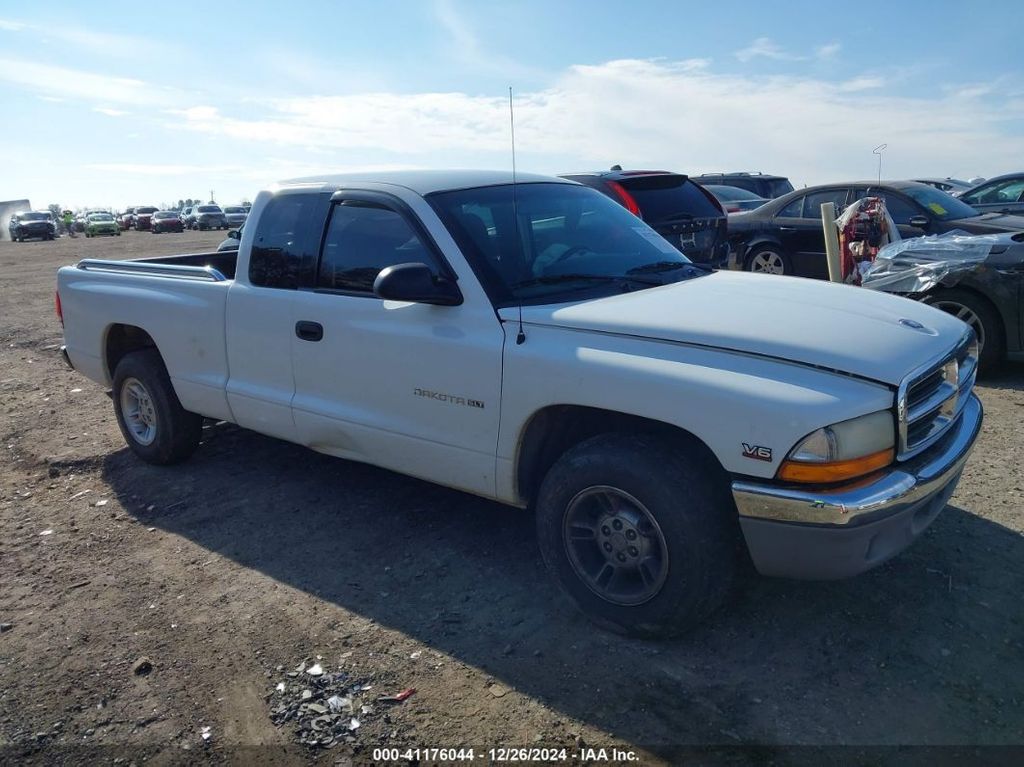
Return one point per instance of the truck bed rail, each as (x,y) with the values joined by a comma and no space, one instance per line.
(204,273)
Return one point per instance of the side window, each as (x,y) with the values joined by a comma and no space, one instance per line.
(815,200)
(793,209)
(362,239)
(900,209)
(276,258)
(1000,191)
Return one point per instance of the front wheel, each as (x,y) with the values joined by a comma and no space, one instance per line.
(982,318)
(768,259)
(640,532)
(153,422)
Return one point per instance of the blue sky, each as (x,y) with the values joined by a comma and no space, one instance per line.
(111,104)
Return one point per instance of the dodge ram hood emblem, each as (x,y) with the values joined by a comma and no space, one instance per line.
(915,325)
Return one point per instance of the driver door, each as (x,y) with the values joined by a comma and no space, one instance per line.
(407,386)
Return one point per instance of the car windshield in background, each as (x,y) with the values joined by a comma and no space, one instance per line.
(208,209)
(34,216)
(731,193)
(144,211)
(101,217)
(234,210)
(939,204)
(663,197)
(779,187)
(165,214)
(569,239)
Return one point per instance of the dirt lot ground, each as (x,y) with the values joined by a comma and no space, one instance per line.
(257,554)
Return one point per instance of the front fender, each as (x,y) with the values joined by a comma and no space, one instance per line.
(750,411)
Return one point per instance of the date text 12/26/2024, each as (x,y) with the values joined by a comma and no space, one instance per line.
(503,754)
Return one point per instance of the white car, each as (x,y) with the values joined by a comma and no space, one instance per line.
(537,344)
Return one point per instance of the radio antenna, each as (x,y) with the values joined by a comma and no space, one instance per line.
(520,336)
(877,150)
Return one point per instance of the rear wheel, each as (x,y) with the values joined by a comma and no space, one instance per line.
(640,532)
(153,422)
(982,318)
(768,259)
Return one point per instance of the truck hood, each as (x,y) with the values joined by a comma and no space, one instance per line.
(839,327)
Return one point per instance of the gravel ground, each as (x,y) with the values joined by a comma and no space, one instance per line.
(256,556)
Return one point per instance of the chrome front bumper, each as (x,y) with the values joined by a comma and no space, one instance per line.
(837,532)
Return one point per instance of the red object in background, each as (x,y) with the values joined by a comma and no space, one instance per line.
(862,233)
(627,199)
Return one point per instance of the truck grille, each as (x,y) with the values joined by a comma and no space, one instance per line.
(931,399)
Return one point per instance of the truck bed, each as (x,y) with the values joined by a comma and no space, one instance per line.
(223,261)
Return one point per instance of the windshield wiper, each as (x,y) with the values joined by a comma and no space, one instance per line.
(557,279)
(666,266)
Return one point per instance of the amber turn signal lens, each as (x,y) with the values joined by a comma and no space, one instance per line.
(837,471)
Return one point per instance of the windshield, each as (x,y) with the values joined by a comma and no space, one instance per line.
(731,193)
(234,210)
(208,209)
(779,187)
(34,216)
(939,204)
(165,214)
(145,211)
(570,239)
(101,217)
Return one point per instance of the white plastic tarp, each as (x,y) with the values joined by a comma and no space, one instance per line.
(921,263)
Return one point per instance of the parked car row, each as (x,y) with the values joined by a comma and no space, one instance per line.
(786,237)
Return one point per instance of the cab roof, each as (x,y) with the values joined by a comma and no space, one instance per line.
(424,182)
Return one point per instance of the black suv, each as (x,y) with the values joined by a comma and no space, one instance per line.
(23,226)
(762,184)
(684,213)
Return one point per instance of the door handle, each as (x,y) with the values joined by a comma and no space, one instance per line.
(787,228)
(309,331)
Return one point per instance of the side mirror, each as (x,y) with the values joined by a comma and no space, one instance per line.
(920,222)
(415,282)
(234,234)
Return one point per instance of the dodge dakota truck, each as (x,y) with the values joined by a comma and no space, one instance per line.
(531,341)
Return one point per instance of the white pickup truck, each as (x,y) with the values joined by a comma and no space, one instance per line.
(533,342)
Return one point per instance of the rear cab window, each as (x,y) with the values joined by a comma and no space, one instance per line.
(280,252)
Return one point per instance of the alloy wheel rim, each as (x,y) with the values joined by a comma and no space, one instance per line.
(967,315)
(615,545)
(767,262)
(138,411)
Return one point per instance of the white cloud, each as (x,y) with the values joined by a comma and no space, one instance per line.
(75,83)
(591,116)
(862,83)
(145,169)
(96,41)
(465,44)
(109,112)
(767,48)
(828,50)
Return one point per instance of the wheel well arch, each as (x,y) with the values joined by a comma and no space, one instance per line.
(553,430)
(760,241)
(1006,325)
(122,340)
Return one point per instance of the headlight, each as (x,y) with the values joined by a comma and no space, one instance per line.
(842,451)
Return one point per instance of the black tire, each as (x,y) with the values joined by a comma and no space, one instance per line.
(176,431)
(692,545)
(977,312)
(775,257)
